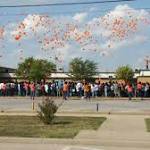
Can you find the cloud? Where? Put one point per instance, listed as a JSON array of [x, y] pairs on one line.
[[122, 18], [122, 27], [103, 33], [93, 9], [80, 17], [66, 37]]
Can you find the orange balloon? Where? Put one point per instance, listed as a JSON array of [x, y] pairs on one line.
[[17, 37]]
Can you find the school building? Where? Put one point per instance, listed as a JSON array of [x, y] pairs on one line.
[[8, 74]]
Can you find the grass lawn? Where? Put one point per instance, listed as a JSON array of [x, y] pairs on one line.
[[63, 127], [148, 124]]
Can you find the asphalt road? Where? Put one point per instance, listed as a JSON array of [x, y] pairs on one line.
[[17, 146], [111, 105]]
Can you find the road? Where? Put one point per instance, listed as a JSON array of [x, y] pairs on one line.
[[17, 146], [112, 105]]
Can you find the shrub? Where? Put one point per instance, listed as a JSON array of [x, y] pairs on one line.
[[47, 110]]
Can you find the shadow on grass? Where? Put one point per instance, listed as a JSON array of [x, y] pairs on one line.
[[61, 122], [147, 121]]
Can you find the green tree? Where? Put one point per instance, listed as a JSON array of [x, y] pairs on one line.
[[125, 73], [80, 69], [35, 69]]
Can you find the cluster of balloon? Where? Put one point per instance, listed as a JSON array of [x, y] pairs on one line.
[[53, 34], [119, 28]]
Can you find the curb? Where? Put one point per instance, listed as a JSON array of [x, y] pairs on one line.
[[75, 98], [71, 113]]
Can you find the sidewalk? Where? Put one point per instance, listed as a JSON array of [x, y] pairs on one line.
[[129, 131]]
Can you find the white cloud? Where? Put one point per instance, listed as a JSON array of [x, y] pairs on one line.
[[80, 17], [122, 27], [108, 34], [93, 9], [101, 36]]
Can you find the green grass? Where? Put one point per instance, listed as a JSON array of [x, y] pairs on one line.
[[63, 127], [148, 124]]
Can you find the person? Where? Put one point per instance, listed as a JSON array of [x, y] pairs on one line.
[[87, 90], [42, 89], [116, 89], [106, 90], [79, 89], [130, 91], [1, 85], [65, 90], [112, 90], [19, 89], [93, 90], [32, 90], [46, 89], [4, 89], [38, 89], [139, 89], [26, 85], [146, 89], [96, 89], [58, 88]]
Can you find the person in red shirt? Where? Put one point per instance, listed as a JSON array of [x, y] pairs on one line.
[[139, 89], [65, 90], [26, 85], [32, 90], [130, 91], [4, 89]]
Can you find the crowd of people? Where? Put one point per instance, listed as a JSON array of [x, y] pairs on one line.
[[80, 89], [109, 89]]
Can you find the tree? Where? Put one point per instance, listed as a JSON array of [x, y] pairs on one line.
[[35, 69], [125, 73], [80, 69]]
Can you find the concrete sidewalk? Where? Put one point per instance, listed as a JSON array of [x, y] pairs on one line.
[[119, 130]]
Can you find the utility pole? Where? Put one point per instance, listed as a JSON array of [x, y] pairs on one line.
[[147, 61]]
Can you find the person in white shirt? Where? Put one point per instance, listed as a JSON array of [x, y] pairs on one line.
[[93, 90], [46, 88], [1, 85], [79, 88], [96, 88]]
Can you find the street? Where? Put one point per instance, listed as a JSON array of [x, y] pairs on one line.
[[14, 104]]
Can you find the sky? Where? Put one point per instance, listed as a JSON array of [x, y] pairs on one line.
[[111, 34]]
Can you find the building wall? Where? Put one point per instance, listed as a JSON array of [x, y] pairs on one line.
[[143, 79], [102, 77]]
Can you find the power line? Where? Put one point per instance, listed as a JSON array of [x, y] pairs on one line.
[[65, 4]]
